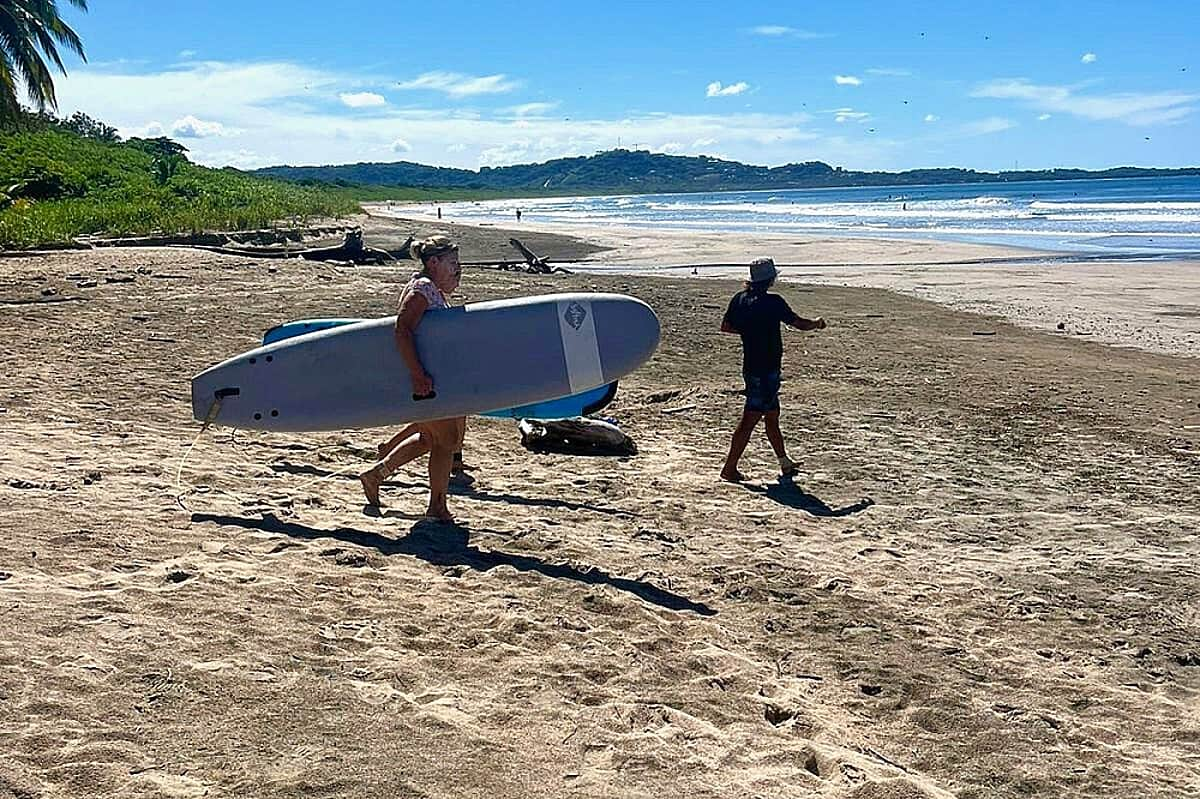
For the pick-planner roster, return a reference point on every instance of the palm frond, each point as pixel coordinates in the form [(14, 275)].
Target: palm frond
[(31, 32)]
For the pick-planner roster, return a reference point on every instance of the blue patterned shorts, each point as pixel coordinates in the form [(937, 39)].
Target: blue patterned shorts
[(762, 392)]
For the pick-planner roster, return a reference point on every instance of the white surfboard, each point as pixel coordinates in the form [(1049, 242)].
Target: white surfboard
[(481, 356)]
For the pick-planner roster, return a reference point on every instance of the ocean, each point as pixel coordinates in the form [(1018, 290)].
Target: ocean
[(1132, 216)]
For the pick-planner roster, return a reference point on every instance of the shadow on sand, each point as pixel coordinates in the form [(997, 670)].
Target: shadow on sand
[(458, 487), (448, 545), (786, 492)]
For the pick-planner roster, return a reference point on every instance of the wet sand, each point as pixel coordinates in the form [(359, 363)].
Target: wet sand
[(1152, 305), (982, 584)]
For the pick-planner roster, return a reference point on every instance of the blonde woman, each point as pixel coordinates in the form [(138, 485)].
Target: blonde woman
[(426, 290)]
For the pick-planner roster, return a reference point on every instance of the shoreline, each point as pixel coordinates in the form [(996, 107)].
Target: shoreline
[(1035, 289)]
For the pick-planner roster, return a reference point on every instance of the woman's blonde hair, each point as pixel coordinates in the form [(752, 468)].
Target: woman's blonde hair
[(425, 249)]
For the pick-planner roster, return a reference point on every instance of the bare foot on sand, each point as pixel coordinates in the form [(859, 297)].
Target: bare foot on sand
[(371, 481), (733, 477), (442, 516)]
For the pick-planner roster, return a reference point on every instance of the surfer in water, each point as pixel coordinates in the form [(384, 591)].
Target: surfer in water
[(426, 290), (755, 315)]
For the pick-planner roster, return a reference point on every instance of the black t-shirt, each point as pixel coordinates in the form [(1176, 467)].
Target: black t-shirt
[(756, 317)]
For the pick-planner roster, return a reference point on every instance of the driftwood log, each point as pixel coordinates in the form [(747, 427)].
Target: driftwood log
[(276, 236), (351, 250), (533, 264)]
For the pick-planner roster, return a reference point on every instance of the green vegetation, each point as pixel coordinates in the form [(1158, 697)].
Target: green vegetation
[(642, 172), (64, 178)]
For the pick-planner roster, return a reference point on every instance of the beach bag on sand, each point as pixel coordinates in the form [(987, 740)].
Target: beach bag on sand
[(575, 436)]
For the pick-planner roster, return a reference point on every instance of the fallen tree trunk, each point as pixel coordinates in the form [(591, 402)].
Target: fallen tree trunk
[(534, 263), (351, 250), (213, 239)]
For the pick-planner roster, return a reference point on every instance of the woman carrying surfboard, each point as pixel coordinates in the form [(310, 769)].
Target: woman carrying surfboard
[(756, 315), (426, 290)]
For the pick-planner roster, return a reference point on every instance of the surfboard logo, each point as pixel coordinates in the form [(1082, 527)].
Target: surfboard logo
[(575, 315)]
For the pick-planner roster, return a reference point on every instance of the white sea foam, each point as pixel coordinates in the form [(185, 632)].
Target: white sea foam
[(1040, 205), (1057, 213)]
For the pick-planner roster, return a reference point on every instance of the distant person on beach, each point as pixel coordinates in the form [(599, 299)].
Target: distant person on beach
[(439, 212), (755, 315), (427, 290), (518, 214)]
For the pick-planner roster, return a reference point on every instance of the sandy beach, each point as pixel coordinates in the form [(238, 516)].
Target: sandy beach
[(1150, 304), (982, 584)]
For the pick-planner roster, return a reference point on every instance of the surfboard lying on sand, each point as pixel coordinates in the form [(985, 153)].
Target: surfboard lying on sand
[(482, 356), (581, 404)]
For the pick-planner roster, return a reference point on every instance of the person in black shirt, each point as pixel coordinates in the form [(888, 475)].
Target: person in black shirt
[(756, 315)]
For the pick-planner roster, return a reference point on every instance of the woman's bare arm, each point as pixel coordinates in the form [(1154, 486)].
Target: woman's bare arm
[(412, 308)]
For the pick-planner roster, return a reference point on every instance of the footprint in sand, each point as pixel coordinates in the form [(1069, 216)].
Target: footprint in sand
[(176, 786)]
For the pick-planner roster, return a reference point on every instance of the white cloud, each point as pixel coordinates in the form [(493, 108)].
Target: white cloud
[(1088, 58), (207, 88), (849, 115), (932, 117), (983, 127), (189, 127), (1043, 117), (784, 30), (244, 159), (715, 89), (279, 112), (456, 85), (151, 130), (362, 100), (529, 109), (1132, 109), (186, 54), (670, 148), (891, 73), (401, 146), (847, 80)]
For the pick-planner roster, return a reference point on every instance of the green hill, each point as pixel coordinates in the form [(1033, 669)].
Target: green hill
[(639, 171), (64, 178)]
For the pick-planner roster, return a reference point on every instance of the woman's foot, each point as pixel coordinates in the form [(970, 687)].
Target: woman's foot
[(371, 481), (788, 467), (732, 476), (439, 514)]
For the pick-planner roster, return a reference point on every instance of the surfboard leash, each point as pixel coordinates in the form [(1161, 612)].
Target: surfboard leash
[(209, 418)]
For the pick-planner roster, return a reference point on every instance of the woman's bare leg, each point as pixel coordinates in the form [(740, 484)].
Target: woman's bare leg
[(457, 461), (386, 447), (413, 447), (444, 434)]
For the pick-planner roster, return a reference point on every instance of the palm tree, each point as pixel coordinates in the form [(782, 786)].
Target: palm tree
[(30, 33)]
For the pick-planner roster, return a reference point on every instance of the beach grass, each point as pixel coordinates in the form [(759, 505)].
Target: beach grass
[(58, 185)]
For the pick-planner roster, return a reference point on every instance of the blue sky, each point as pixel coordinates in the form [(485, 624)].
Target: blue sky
[(862, 85)]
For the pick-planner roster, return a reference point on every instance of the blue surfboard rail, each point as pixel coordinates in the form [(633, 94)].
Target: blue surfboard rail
[(302, 327), (581, 404)]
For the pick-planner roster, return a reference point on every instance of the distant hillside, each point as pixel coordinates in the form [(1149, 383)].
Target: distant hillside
[(639, 171)]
